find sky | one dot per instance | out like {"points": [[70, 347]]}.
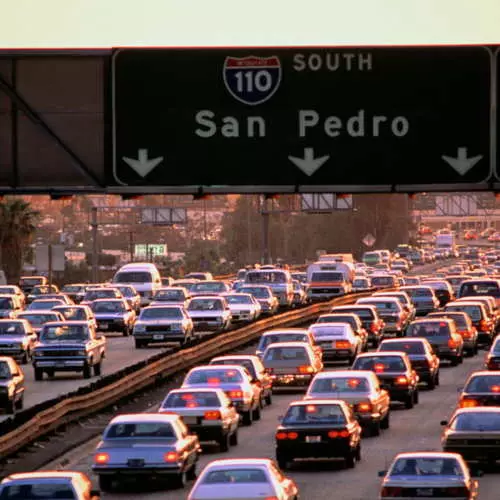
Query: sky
{"points": [[28, 24]]}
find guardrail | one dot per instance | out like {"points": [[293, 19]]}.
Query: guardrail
{"points": [[72, 407]]}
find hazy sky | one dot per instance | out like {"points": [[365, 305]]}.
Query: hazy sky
{"points": [[106, 23]]}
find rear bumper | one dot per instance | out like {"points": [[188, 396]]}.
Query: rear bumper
{"points": [[337, 355], [326, 449], [147, 470], [291, 380], [475, 453]]}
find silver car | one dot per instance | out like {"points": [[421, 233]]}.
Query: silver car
{"points": [[38, 318], [17, 339], [147, 445], [244, 306], [210, 313]]}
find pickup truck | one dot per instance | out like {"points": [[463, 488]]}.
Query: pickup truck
{"points": [[70, 346]]}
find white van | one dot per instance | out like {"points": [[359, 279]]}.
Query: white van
{"points": [[143, 276]]}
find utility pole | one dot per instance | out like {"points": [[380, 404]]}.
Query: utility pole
{"points": [[95, 263], [131, 245], [49, 258], [266, 258]]}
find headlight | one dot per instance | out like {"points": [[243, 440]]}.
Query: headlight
{"points": [[139, 328], [38, 354]]}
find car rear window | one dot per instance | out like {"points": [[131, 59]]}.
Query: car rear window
{"points": [[431, 329], [473, 311], [286, 354], [284, 337], [382, 280], [481, 288], [191, 400], [379, 363], [315, 414], [362, 313], [418, 292], [340, 385], [41, 491], [140, 430], [408, 347], [235, 476], [215, 377], [477, 421], [242, 362], [484, 383], [426, 466]]}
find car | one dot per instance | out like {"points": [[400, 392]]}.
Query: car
{"points": [[209, 313], [12, 385], [490, 305], [39, 290], [171, 296], [482, 388], [337, 341], [428, 475], [473, 434], [423, 358], [48, 485], [209, 287], [472, 287], [396, 375], [95, 293], [244, 306], [13, 290], [404, 299], [361, 284], [114, 315], [38, 318], [464, 327], [423, 297], [442, 289], [479, 316], [443, 336], [411, 280], [208, 413], [131, 296], [492, 358], [59, 296], [264, 296], [17, 339], [380, 281], [245, 479], [27, 283], [318, 428], [256, 369], [235, 381], [287, 335], [370, 320], [455, 281], [291, 364], [44, 304], [76, 313], [163, 324], [75, 291], [146, 445], [199, 276], [299, 294], [351, 318], [10, 305], [187, 284], [390, 311], [361, 390]]}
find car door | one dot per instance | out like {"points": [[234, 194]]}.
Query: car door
{"points": [[17, 377]]}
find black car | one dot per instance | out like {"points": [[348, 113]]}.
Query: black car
{"points": [[318, 428], [369, 319]]}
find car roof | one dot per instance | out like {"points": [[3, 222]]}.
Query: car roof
{"points": [[67, 323], [432, 319], [144, 417], [404, 339], [307, 402], [467, 302], [490, 373], [287, 345], [163, 306], [285, 330], [240, 462], [110, 299], [74, 306], [332, 325], [478, 409], [354, 306], [196, 389], [428, 454], [252, 357], [211, 297], [377, 299], [46, 475], [216, 367], [346, 373], [381, 353]]}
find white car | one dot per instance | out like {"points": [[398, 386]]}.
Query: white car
{"points": [[243, 306], [245, 478], [337, 341], [210, 313]]}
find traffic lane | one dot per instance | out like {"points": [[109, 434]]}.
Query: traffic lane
{"points": [[416, 429]]}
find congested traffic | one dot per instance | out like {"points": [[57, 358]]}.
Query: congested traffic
{"points": [[349, 370]]}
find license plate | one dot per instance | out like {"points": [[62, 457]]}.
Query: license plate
{"points": [[425, 492], [157, 337], [203, 325], [313, 439], [135, 462], [190, 420], [60, 365], [103, 326]]}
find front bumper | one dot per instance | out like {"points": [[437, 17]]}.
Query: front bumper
{"points": [[208, 325], [160, 337], [63, 365], [110, 325], [15, 353]]}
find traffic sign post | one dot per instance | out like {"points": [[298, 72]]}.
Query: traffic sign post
{"points": [[351, 120]]}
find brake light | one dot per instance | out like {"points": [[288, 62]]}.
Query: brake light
{"points": [[483, 325], [338, 434], [453, 344], [342, 344], [271, 498], [364, 407], [212, 415], [391, 492], [401, 380], [292, 435], [468, 403], [466, 334], [101, 458], [235, 394], [281, 435], [374, 327], [171, 456], [305, 369]]}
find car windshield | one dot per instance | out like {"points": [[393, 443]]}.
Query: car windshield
{"points": [[214, 376], [286, 354], [362, 313], [238, 299], [315, 414], [260, 293], [428, 329], [282, 337], [38, 319], [40, 491], [205, 305], [426, 466], [64, 333], [418, 292], [73, 313], [484, 383], [100, 294], [169, 295], [360, 282], [160, 313], [140, 430], [191, 400], [324, 277], [480, 288], [133, 277], [476, 421], [473, 311], [380, 364], [241, 362], [340, 384], [382, 280], [11, 328], [6, 303], [408, 347], [208, 286], [235, 476], [45, 304], [266, 277], [108, 307]]}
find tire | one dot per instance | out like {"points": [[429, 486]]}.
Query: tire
{"points": [[269, 398], [350, 461], [192, 473], [416, 397], [126, 331], [139, 344], [106, 483], [25, 359], [86, 371], [431, 383], [10, 407], [98, 368], [257, 414], [282, 460], [248, 417], [436, 379], [386, 421], [409, 402], [38, 374], [357, 454], [454, 362], [224, 443], [20, 403], [461, 359], [233, 439], [180, 480], [374, 428]]}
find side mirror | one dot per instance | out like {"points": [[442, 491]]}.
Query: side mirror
{"points": [[443, 422], [381, 473]]}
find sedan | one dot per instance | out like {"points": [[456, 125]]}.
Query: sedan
{"points": [[208, 413], [492, 360], [243, 478], [264, 295], [38, 318], [287, 335], [244, 306], [146, 445], [390, 311], [171, 296], [210, 313], [337, 341], [481, 389], [464, 326], [114, 315], [17, 339], [76, 313], [353, 320], [44, 304], [428, 475], [479, 316], [318, 428]]}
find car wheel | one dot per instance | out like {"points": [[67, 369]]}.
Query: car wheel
{"points": [[192, 473], [224, 442], [269, 398], [248, 417], [257, 412], [97, 368], [106, 483], [38, 374], [10, 407], [386, 421], [358, 452], [409, 402], [233, 440], [461, 358], [139, 344], [436, 378], [283, 460], [431, 383], [25, 358], [415, 396], [375, 428], [86, 371], [454, 361], [350, 461]]}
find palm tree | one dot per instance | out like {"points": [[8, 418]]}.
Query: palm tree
{"points": [[17, 226]]}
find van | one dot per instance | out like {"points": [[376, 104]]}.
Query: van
{"points": [[372, 258], [143, 276]]}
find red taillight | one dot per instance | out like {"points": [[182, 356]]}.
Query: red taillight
{"points": [[364, 407], [171, 456], [468, 403], [342, 344], [338, 434], [281, 435], [483, 325], [305, 369], [292, 435], [401, 380], [374, 327], [212, 415], [101, 458], [235, 394], [466, 334], [391, 492], [271, 498], [453, 344]]}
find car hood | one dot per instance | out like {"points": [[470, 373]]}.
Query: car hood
{"points": [[195, 314]]}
